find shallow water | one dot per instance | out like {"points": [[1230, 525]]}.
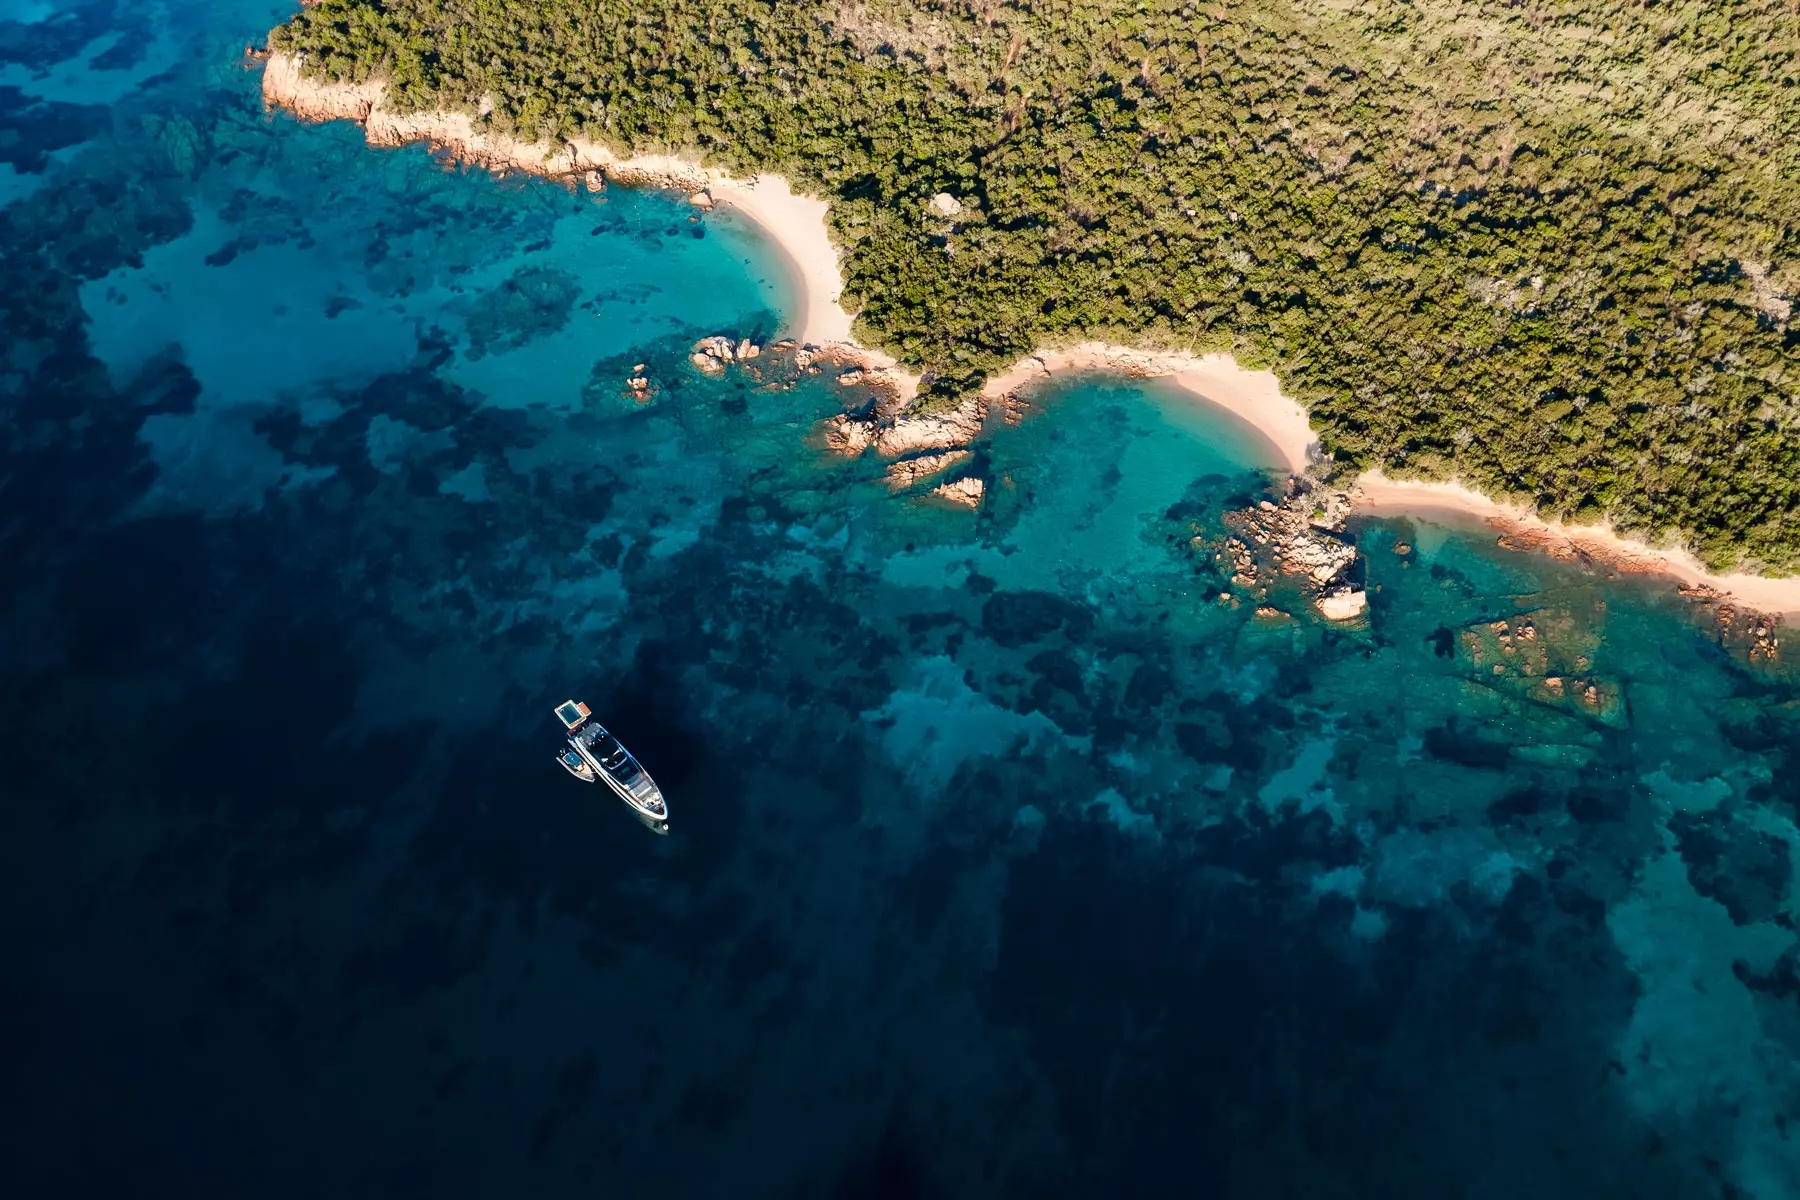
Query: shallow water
{"points": [[1007, 860]]}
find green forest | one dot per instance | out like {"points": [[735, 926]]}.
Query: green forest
{"points": [[1551, 247]]}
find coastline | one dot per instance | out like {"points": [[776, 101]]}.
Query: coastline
{"points": [[794, 224], [1374, 494], [797, 226], [1253, 397]]}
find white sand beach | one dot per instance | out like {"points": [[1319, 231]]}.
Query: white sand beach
{"points": [[1375, 494], [797, 225], [794, 223], [1254, 397]]}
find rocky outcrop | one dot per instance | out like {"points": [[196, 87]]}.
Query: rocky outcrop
{"points": [[926, 444], [1344, 604], [966, 491], [906, 433], [910, 472], [712, 355], [946, 205], [462, 136], [1298, 542]]}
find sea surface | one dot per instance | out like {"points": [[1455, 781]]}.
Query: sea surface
{"points": [[1007, 859]]}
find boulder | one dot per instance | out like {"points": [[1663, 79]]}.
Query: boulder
{"points": [[910, 471], [1344, 605], [966, 491]]}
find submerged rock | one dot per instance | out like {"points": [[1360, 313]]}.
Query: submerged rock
{"points": [[966, 491], [1545, 656], [1750, 636], [910, 471], [534, 302]]}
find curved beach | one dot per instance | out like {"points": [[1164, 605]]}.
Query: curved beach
{"points": [[797, 225]]}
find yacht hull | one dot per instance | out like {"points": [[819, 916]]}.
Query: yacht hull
{"points": [[655, 822], [594, 755]]}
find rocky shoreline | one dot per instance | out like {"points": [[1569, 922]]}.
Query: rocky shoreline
{"points": [[1290, 552], [456, 134], [1300, 541]]}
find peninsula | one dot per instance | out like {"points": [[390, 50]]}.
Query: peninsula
{"points": [[1546, 263]]}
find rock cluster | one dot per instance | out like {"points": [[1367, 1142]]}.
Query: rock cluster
{"points": [[1546, 656], [713, 354], [1752, 636], [1298, 538], [906, 433], [639, 387]]}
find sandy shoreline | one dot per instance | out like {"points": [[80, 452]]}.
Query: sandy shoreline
{"points": [[1254, 397], [797, 226], [1374, 494]]}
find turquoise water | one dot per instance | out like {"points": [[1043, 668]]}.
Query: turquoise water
{"points": [[1008, 859]]}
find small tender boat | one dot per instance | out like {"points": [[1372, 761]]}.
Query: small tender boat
{"points": [[577, 766], [594, 754]]}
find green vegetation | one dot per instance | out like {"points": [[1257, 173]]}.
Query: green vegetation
{"points": [[1550, 246]]}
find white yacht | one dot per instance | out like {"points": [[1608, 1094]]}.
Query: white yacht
{"points": [[594, 754]]}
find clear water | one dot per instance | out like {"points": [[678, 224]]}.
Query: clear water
{"points": [[1006, 860]]}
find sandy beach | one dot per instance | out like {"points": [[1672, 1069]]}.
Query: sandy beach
{"points": [[1374, 494], [797, 226], [794, 223], [1254, 397]]}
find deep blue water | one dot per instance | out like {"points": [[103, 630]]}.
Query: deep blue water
{"points": [[1006, 861]]}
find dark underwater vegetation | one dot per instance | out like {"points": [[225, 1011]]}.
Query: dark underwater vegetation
{"points": [[1007, 860]]}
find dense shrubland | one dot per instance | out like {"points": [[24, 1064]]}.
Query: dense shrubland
{"points": [[1550, 246]]}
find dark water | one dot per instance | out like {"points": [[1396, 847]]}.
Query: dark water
{"points": [[1006, 860]]}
